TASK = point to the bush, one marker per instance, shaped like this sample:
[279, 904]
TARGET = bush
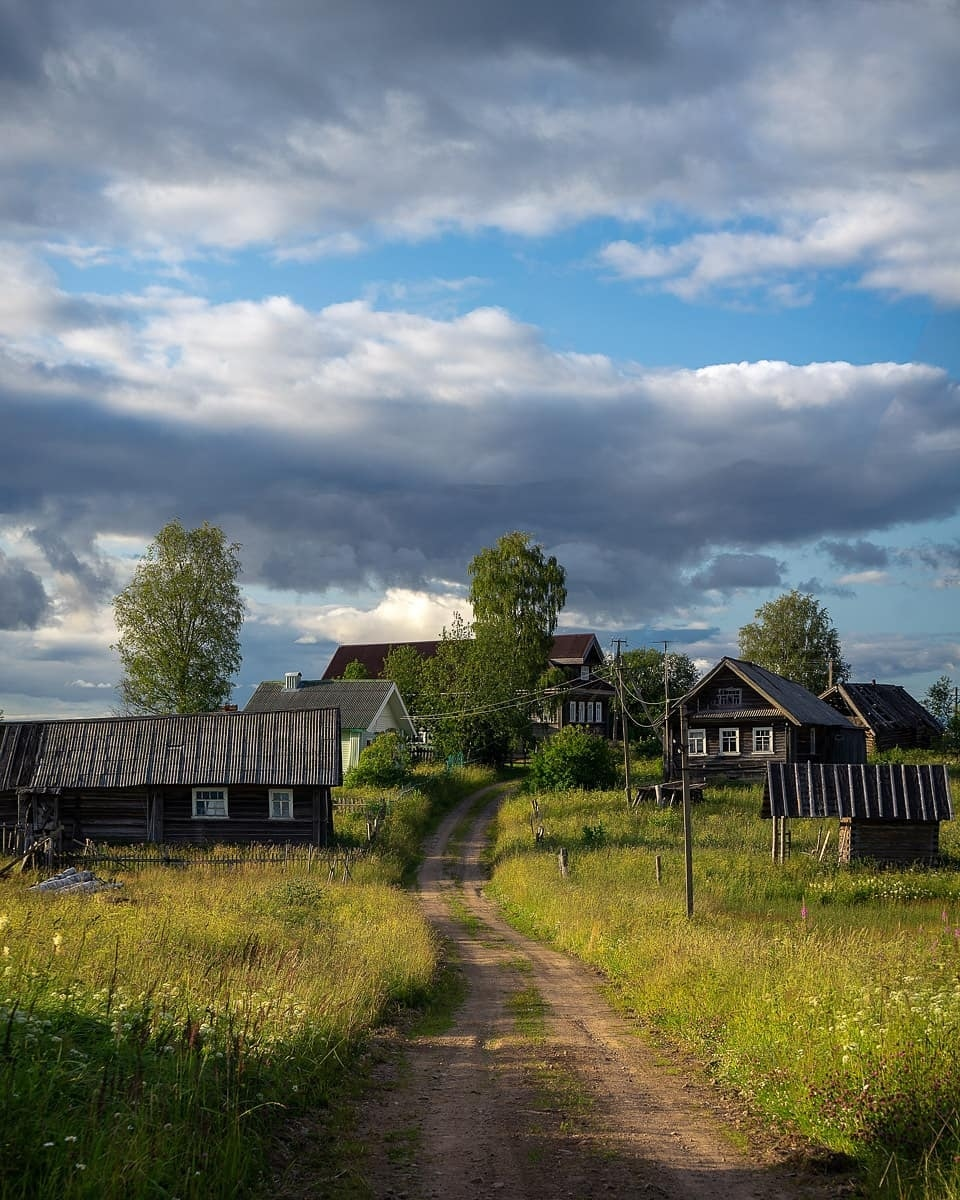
[384, 763]
[573, 758]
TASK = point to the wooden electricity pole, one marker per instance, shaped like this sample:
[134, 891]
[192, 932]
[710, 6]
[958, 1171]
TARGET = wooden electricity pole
[623, 722]
[687, 818]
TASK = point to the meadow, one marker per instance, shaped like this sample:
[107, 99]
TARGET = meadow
[167, 1037]
[826, 996]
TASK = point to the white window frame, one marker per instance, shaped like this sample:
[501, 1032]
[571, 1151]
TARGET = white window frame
[729, 697]
[763, 739]
[725, 737]
[582, 712]
[210, 795]
[697, 743]
[584, 671]
[280, 796]
[572, 713]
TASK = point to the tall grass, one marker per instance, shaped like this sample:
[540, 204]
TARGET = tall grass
[829, 997]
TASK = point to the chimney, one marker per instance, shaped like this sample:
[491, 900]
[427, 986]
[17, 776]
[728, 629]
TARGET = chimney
[291, 681]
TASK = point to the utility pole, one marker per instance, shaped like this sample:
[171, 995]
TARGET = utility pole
[687, 816]
[667, 757]
[623, 720]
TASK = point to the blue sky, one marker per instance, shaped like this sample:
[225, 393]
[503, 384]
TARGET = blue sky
[673, 286]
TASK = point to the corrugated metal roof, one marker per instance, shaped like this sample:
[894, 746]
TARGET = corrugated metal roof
[724, 716]
[881, 792]
[267, 749]
[360, 701]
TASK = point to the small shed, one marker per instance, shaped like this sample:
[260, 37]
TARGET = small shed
[888, 812]
[887, 713]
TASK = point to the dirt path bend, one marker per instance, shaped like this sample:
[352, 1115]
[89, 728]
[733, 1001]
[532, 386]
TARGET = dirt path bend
[573, 1104]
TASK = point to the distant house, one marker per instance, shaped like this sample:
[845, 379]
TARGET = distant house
[367, 707]
[211, 777]
[739, 717]
[887, 713]
[889, 813]
[586, 701]
[587, 698]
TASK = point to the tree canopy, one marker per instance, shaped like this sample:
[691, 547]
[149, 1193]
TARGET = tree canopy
[179, 623]
[939, 699]
[794, 637]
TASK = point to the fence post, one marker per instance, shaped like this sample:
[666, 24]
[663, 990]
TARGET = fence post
[563, 862]
[659, 867]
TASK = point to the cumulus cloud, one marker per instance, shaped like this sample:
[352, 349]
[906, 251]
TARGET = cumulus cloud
[308, 125]
[356, 447]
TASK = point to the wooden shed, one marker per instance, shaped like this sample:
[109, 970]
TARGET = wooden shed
[887, 713]
[888, 812]
[210, 777]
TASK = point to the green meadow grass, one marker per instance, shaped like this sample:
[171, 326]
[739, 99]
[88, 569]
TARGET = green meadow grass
[163, 1039]
[827, 996]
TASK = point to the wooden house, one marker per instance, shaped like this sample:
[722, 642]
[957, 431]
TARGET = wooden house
[739, 717]
[367, 707]
[889, 813]
[585, 700]
[211, 777]
[888, 715]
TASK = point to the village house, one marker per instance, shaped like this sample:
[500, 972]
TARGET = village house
[367, 707]
[888, 715]
[586, 699]
[210, 777]
[739, 717]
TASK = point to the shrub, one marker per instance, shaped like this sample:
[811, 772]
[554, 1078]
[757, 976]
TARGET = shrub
[385, 762]
[573, 758]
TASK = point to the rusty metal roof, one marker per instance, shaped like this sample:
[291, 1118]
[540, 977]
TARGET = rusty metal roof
[879, 792]
[269, 749]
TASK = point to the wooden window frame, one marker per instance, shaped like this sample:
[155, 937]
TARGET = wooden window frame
[273, 793]
[735, 753]
[697, 735]
[204, 795]
[767, 730]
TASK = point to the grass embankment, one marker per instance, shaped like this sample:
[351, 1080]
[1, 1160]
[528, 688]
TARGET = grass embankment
[827, 996]
[161, 1039]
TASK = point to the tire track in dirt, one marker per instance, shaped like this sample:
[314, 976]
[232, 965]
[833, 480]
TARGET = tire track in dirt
[587, 1110]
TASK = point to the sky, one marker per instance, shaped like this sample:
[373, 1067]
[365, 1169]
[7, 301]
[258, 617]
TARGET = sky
[671, 285]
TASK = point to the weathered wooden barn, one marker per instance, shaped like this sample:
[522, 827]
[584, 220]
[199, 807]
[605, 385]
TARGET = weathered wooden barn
[739, 717]
[888, 812]
[887, 713]
[212, 777]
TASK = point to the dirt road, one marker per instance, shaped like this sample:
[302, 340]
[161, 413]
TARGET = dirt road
[540, 1089]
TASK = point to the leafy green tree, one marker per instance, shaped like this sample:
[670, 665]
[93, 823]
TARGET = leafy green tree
[355, 670]
[517, 595]
[405, 666]
[939, 699]
[179, 623]
[642, 675]
[794, 637]
[573, 758]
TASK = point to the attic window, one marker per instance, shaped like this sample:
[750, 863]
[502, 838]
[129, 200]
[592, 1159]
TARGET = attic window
[584, 671]
[729, 697]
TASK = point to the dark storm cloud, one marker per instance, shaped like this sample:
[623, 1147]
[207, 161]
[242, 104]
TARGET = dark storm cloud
[23, 600]
[353, 449]
[858, 555]
[96, 579]
[727, 572]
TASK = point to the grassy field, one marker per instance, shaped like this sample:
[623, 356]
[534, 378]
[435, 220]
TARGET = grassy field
[828, 997]
[163, 1039]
